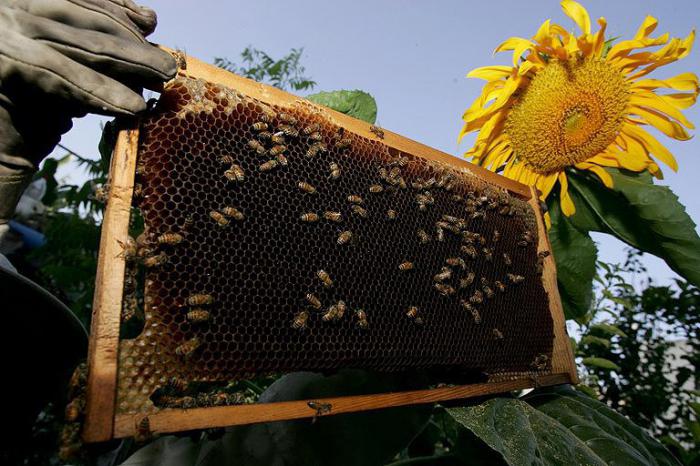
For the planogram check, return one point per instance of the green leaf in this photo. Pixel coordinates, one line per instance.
(613, 437)
(593, 340)
(523, 435)
(608, 329)
(601, 363)
(644, 215)
(358, 104)
(575, 256)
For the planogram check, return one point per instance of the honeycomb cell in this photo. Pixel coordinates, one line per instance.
(258, 270)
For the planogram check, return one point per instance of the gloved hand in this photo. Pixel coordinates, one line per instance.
(61, 59)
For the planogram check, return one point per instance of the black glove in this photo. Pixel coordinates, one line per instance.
(61, 59)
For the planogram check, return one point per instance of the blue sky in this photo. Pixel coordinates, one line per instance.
(412, 56)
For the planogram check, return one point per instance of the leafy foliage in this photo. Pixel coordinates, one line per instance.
(285, 73)
(358, 104)
(651, 355)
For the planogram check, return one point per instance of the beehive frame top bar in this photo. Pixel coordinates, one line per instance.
(101, 420)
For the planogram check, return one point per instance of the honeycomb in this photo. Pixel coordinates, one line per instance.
(416, 264)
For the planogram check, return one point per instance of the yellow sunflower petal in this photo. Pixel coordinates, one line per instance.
(651, 145)
(667, 126)
(599, 38)
(681, 82)
(652, 101)
(680, 101)
(578, 13)
(567, 205)
(545, 183)
(491, 73)
(599, 171)
(648, 26)
(624, 47)
(518, 45)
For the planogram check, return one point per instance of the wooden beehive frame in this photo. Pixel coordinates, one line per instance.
(102, 423)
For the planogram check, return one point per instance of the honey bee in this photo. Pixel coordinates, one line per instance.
(359, 211)
(467, 280)
(219, 218)
(355, 199)
(423, 236)
(527, 236)
(74, 409)
(300, 320)
(377, 131)
(376, 188)
(499, 286)
(505, 210)
(325, 278)
(287, 118)
(472, 310)
(445, 274)
(496, 236)
(488, 291)
(278, 138)
(507, 260)
(477, 297)
(515, 279)
(235, 173)
(276, 150)
(445, 290)
(488, 254)
(264, 136)
(170, 238)
(138, 191)
(361, 316)
(187, 223)
(543, 254)
(332, 314)
(344, 237)
(313, 300)
(178, 384)
(256, 146)
(312, 128)
(412, 314)
(332, 216)
(456, 262)
(143, 431)
(316, 136)
(335, 170)
(282, 160)
(478, 215)
(407, 265)
(233, 213)
(440, 234)
(288, 130)
(497, 334)
(341, 309)
(199, 299)
(188, 348)
(315, 148)
(101, 193)
(309, 217)
(268, 115)
(306, 187)
(259, 126)
(269, 165)
(540, 362)
(129, 249)
(155, 261)
(469, 250)
(391, 214)
(343, 143)
(198, 315)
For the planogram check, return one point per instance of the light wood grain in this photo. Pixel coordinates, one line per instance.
(199, 69)
(562, 357)
(171, 420)
(107, 304)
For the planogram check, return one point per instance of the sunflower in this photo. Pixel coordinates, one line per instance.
(579, 101)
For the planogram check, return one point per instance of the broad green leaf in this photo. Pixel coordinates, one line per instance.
(575, 256)
(613, 437)
(646, 216)
(594, 340)
(608, 329)
(358, 104)
(523, 435)
(601, 363)
(586, 390)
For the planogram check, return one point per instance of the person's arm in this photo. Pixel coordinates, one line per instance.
(61, 59)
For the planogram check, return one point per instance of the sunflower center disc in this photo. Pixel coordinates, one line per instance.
(570, 112)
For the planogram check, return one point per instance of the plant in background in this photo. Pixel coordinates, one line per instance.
(573, 110)
(641, 352)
